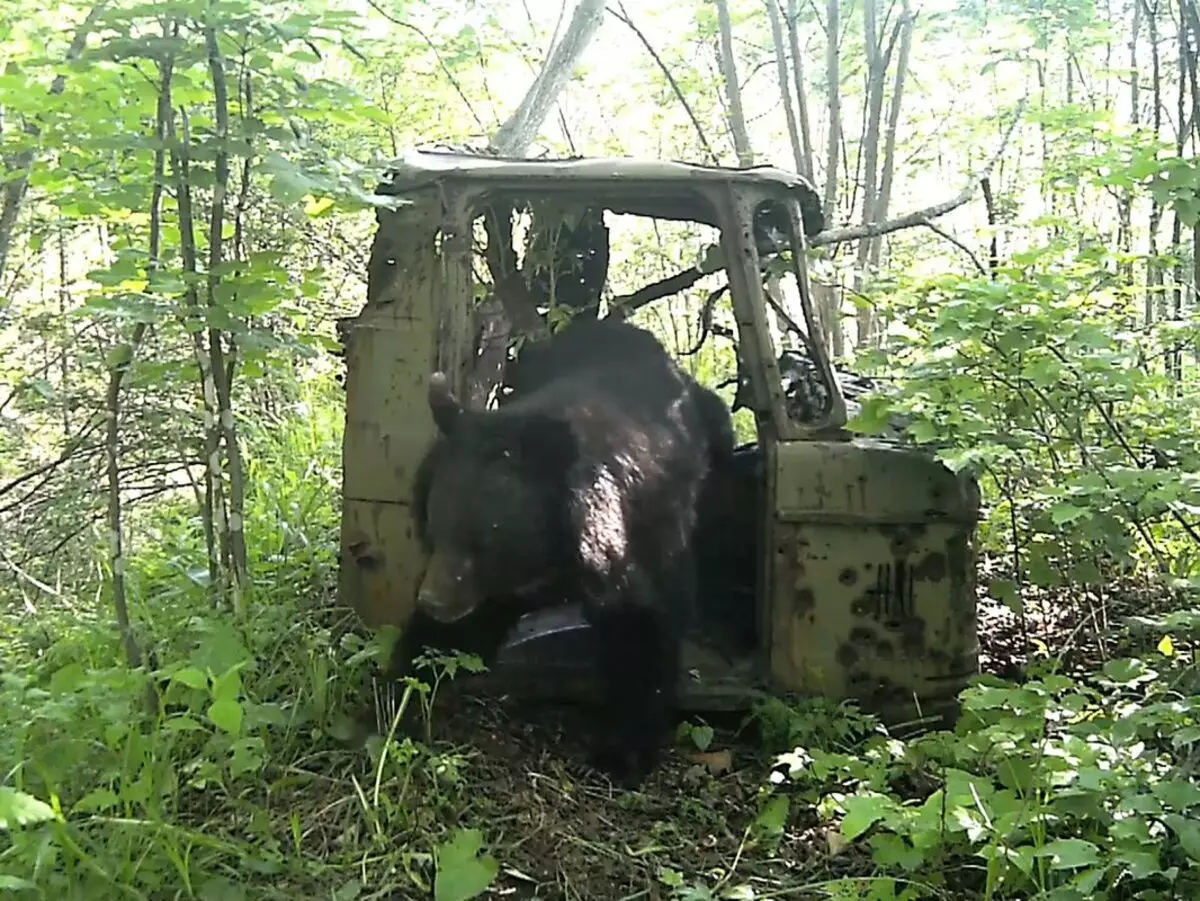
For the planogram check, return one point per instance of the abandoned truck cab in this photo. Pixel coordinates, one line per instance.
(830, 564)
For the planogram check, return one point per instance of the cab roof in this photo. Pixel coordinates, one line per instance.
(625, 184)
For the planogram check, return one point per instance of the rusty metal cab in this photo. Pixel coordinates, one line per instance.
(858, 553)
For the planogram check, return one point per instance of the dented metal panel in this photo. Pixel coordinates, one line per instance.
(873, 576)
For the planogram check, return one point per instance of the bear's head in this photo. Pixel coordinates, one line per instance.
(489, 505)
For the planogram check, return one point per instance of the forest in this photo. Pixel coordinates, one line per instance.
(1009, 259)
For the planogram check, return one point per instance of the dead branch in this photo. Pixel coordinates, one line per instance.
(919, 217)
(623, 17)
(942, 233)
(436, 55)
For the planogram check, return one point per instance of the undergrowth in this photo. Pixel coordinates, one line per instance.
(250, 777)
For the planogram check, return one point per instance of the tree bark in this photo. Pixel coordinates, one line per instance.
(1154, 278)
(830, 299)
(511, 305)
(869, 156)
(112, 444)
(785, 90)
(883, 202)
(517, 133)
(222, 370)
(793, 29)
(733, 91)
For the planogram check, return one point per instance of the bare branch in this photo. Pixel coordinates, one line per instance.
(623, 16)
(436, 55)
(940, 232)
(919, 217)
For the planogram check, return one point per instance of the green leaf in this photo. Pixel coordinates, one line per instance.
(191, 677)
(20, 809)
(863, 811)
(96, 800)
(890, 851)
(1187, 830)
(1005, 591)
(1069, 853)
(1186, 736)
(1127, 670)
(1063, 513)
(874, 415)
(462, 873)
(228, 686)
(702, 736)
(1140, 864)
(1178, 794)
(773, 817)
(226, 714)
(118, 356)
(67, 680)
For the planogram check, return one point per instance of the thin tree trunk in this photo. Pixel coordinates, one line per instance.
(733, 91)
(1153, 272)
(215, 529)
(1125, 199)
(793, 29)
(515, 135)
(513, 307)
(876, 71)
(64, 357)
(785, 90)
(221, 371)
(112, 443)
(830, 299)
(833, 79)
(906, 25)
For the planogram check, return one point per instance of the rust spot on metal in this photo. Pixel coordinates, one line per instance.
(912, 636)
(860, 635)
(805, 601)
(847, 656)
(848, 576)
(932, 568)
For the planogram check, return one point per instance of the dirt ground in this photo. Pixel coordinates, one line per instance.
(561, 832)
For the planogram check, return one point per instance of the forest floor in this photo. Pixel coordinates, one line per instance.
(559, 830)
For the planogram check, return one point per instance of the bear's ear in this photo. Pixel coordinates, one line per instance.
(443, 404)
(547, 445)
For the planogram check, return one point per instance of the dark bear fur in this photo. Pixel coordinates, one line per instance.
(611, 342)
(584, 487)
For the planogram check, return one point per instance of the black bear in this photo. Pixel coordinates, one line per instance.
(607, 343)
(583, 487)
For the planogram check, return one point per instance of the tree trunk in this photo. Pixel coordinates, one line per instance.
(830, 299)
(1153, 272)
(733, 91)
(785, 90)
(112, 443)
(510, 306)
(222, 371)
(793, 29)
(869, 155)
(515, 135)
(906, 25)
